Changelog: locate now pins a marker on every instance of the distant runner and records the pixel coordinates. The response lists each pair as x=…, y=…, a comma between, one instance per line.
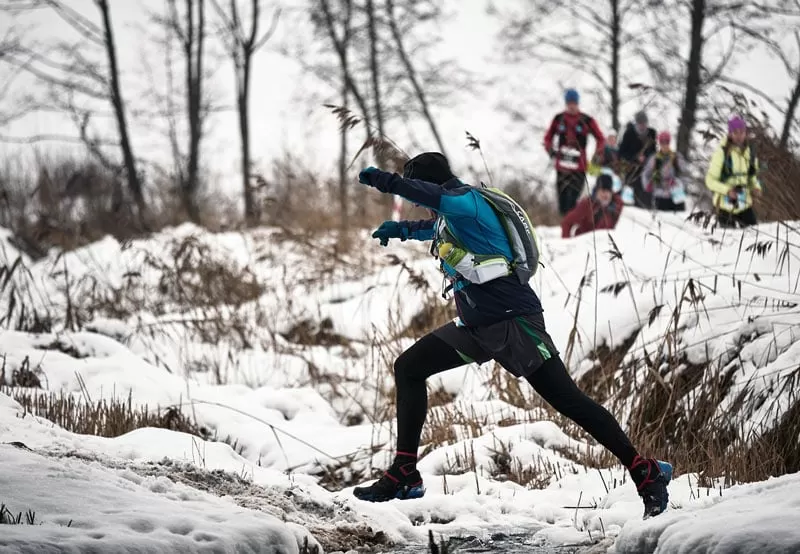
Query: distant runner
x=733, y=177
x=662, y=176
x=572, y=128
x=638, y=144
x=601, y=210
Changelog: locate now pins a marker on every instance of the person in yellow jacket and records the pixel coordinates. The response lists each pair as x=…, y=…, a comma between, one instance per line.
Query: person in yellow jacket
x=733, y=177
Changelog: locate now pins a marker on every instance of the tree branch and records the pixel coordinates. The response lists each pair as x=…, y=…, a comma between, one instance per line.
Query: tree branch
x=82, y=25
x=270, y=31
x=750, y=88
x=229, y=25
x=773, y=46
x=64, y=83
x=32, y=139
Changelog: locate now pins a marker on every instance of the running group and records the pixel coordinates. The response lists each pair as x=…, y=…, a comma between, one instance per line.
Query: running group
x=641, y=169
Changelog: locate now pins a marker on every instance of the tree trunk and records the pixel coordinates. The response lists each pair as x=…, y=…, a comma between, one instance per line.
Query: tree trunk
x=341, y=47
x=790, y=111
x=345, y=61
x=375, y=74
x=343, y=200
x=412, y=75
x=186, y=185
x=243, y=103
x=693, y=79
x=194, y=55
x=118, y=102
x=615, y=48
x=342, y=54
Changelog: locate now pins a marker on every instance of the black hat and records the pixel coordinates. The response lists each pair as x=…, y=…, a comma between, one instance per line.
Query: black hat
x=641, y=117
x=604, y=181
x=428, y=166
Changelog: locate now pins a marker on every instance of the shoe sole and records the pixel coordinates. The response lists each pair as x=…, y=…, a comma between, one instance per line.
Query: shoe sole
x=411, y=493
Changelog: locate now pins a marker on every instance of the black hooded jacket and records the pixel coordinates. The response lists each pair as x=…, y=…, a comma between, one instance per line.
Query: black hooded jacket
x=632, y=145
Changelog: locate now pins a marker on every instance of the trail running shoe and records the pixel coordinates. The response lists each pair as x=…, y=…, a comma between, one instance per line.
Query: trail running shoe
x=401, y=482
x=651, y=477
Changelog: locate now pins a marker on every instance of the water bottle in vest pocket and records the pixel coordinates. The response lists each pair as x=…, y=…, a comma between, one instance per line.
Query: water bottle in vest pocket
x=473, y=267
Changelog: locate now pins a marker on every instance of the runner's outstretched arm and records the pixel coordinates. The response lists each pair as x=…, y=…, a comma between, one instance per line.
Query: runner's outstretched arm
x=422, y=229
x=448, y=202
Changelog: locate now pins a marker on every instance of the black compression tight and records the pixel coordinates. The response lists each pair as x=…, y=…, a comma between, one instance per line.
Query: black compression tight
x=431, y=355
x=428, y=356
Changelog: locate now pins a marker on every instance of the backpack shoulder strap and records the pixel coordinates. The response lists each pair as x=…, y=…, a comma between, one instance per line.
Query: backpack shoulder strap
x=751, y=169
x=586, y=120
x=519, y=231
x=727, y=163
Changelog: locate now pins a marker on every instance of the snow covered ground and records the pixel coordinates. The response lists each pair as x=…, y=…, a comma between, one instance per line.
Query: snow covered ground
x=294, y=368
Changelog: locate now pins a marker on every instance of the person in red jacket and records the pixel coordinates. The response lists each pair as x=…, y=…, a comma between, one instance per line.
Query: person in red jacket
x=601, y=210
x=572, y=129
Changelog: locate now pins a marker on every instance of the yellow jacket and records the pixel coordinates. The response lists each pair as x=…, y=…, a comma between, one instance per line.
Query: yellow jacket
x=740, y=165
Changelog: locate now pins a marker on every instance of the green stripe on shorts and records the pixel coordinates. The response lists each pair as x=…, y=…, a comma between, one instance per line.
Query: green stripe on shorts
x=465, y=357
x=543, y=350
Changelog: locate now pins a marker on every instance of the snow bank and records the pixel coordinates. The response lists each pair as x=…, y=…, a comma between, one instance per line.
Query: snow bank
x=85, y=507
x=752, y=518
x=729, y=298
x=82, y=502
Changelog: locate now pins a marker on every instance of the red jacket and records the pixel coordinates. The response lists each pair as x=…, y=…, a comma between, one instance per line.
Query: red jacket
x=572, y=132
x=588, y=215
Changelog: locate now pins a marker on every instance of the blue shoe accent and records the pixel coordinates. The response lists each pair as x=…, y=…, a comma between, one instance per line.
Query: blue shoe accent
x=666, y=470
x=412, y=492
x=651, y=478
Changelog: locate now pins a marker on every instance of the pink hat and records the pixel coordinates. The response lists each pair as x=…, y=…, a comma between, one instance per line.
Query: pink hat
x=664, y=136
x=736, y=123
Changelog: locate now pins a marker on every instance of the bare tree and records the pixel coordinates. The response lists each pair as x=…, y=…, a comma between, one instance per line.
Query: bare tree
x=411, y=73
x=690, y=78
x=694, y=82
x=330, y=25
x=790, y=119
x=242, y=44
x=790, y=61
x=375, y=43
x=338, y=27
x=119, y=106
x=189, y=27
x=596, y=43
x=75, y=75
x=374, y=70
x=347, y=31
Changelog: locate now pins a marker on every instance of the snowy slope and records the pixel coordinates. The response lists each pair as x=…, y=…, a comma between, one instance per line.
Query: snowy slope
x=124, y=512
x=758, y=517
x=81, y=504
x=152, y=326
